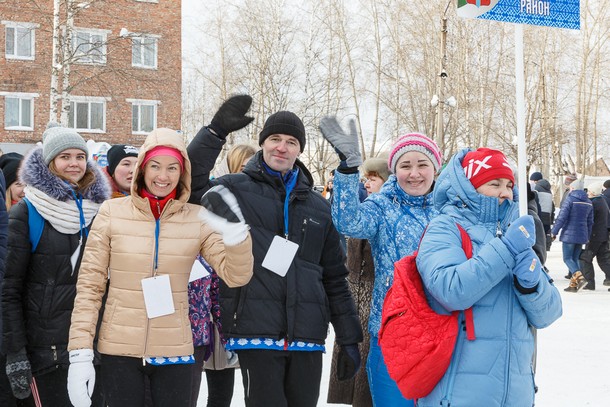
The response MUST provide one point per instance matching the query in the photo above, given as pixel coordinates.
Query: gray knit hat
(56, 139)
(578, 185)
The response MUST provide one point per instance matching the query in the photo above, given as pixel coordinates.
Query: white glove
(223, 215)
(81, 377)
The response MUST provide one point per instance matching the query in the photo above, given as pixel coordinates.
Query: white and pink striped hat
(415, 142)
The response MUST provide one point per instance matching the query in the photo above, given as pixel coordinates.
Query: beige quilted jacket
(121, 247)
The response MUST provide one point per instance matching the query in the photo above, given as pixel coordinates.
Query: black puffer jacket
(599, 232)
(314, 292)
(3, 239)
(40, 287)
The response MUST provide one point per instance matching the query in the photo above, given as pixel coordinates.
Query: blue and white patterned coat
(391, 220)
(495, 369)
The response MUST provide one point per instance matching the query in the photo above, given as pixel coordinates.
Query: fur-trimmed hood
(34, 172)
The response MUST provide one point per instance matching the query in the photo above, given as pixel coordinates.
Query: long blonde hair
(9, 198)
(236, 156)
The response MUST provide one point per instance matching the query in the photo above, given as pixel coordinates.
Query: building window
(88, 114)
(143, 115)
(19, 110)
(144, 52)
(89, 45)
(20, 40)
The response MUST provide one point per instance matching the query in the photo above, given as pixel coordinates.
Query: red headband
(164, 150)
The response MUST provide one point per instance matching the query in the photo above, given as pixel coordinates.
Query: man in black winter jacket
(278, 322)
(597, 247)
(606, 195)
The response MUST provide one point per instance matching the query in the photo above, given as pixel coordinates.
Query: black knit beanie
(284, 122)
(116, 153)
(9, 164)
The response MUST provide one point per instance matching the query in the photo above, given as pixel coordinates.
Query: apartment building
(124, 70)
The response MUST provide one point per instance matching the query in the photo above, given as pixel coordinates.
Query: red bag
(416, 342)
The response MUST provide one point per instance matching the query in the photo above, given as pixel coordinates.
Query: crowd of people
(122, 285)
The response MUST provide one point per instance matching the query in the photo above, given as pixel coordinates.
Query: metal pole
(520, 98)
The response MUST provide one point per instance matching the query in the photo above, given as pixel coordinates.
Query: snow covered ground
(573, 354)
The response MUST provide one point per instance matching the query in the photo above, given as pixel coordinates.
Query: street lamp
(450, 101)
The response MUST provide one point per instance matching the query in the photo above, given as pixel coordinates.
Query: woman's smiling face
(415, 173)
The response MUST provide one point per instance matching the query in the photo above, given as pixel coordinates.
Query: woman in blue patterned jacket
(392, 220)
(502, 282)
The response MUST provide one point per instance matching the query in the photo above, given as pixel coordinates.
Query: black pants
(124, 378)
(53, 388)
(602, 253)
(280, 378)
(220, 387)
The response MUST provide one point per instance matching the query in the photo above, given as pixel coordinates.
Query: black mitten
(19, 373)
(231, 115)
(348, 362)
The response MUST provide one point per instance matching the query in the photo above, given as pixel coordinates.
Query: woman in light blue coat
(502, 283)
(392, 220)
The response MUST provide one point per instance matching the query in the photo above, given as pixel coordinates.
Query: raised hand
(223, 215)
(345, 144)
(231, 115)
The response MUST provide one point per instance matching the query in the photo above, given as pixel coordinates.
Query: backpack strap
(35, 224)
(467, 247)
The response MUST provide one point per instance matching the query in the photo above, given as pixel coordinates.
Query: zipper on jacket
(498, 229)
(153, 274)
(457, 354)
(54, 349)
(508, 344)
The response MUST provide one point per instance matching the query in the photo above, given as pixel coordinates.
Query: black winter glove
(348, 362)
(345, 144)
(231, 115)
(19, 373)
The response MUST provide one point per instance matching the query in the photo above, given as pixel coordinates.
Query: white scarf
(63, 216)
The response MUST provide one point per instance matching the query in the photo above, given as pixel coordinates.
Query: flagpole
(520, 103)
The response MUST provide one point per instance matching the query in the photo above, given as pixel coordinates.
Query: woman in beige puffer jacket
(153, 232)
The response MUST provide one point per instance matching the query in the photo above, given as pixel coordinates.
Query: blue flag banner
(550, 13)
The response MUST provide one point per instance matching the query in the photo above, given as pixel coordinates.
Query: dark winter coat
(575, 219)
(3, 241)
(40, 287)
(361, 279)
(606, 195)
(314, 292)
(545, 198)
(599, 232)
(540, 245)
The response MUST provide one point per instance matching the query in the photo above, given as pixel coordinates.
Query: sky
(573, 366)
